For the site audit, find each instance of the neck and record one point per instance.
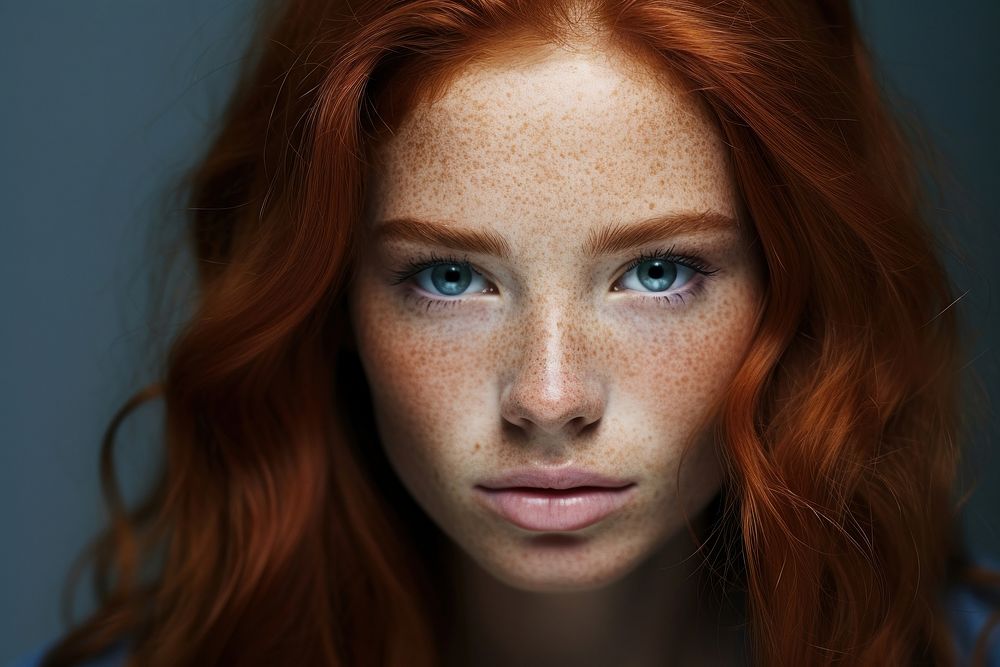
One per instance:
(652, 616)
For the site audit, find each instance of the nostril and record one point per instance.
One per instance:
(515, 428)
(587, 427)
(569, 408)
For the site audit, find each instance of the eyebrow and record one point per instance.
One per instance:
(618, 236)
(614, 238)
(445, 235)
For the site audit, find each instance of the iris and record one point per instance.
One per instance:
(656, 275)
(451, 279)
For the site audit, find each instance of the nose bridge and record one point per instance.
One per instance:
(549, 352)
(553, 385)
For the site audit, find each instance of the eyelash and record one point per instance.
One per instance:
(701, 268)
(695, 263)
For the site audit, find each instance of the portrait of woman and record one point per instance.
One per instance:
(553, 332)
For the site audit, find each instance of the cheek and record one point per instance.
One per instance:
(673, 366)
(427, 385)
(671, 370)
(421, 374)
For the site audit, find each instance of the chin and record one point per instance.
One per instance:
(562, 563)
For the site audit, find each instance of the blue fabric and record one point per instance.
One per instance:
(969, 614)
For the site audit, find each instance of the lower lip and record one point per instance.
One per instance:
(551, 509)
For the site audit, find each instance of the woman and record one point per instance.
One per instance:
(602, 332)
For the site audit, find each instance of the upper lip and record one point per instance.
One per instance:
(548, 478)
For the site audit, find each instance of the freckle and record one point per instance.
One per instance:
(651, 206)
(476, 448)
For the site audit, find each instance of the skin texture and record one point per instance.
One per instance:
(552, 357)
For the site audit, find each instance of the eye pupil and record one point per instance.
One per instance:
(451, 279)
(658, 275)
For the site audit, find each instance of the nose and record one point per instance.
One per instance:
(554, 389)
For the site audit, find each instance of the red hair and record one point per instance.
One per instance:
(282, 534)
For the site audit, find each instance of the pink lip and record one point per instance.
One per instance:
(554, 500)
(557, 478)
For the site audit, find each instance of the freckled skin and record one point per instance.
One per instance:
(550, 365)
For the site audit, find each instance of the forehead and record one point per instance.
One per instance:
(562, 141)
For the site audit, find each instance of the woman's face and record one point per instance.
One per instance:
(511, 341)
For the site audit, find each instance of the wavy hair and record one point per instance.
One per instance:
(282, 537)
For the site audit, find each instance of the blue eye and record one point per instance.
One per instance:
(676, 276)
(657, 275)
(450, 279)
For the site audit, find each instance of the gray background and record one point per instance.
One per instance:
(103, 103)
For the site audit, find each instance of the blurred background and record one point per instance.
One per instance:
(105, 104)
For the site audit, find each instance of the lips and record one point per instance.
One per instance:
(554, 500)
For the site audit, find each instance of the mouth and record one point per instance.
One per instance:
(555, 509)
